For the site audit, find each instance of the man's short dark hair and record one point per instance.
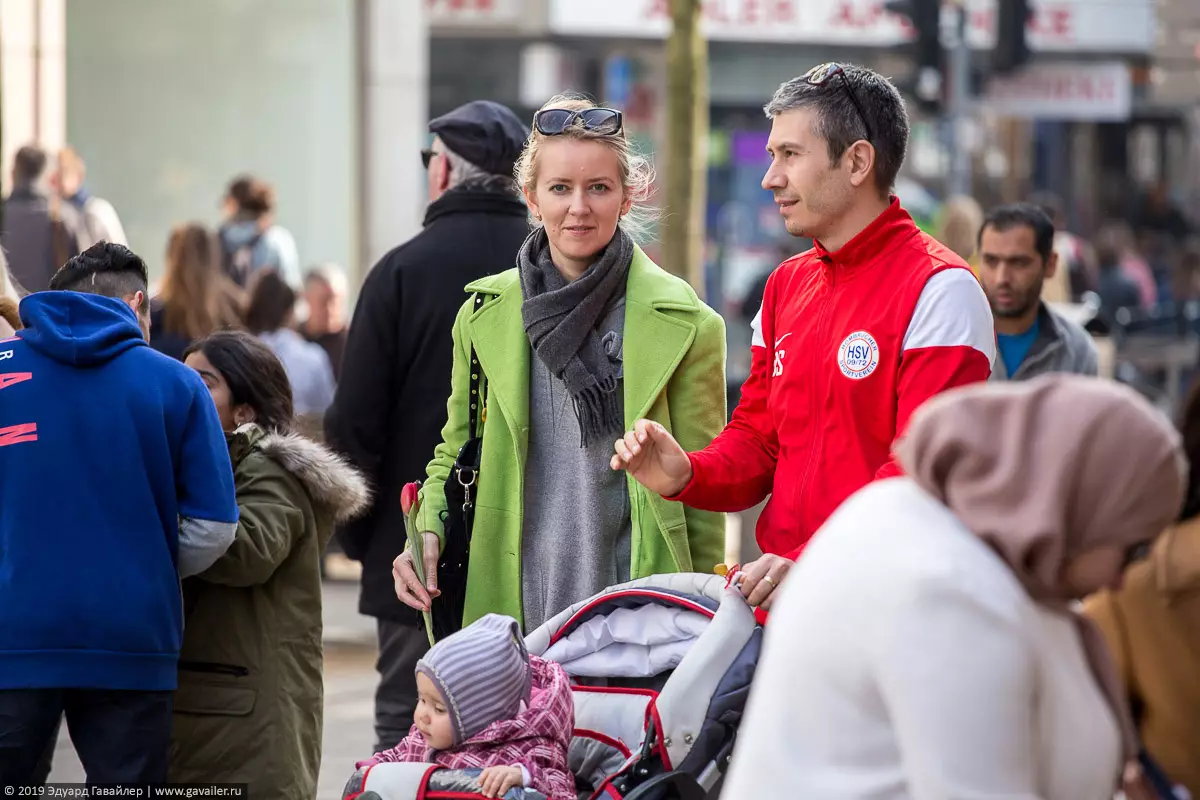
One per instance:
(1016, 215)
(29, 164)
(107, 269)
(841, 124)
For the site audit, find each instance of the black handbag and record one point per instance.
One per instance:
(459, 519)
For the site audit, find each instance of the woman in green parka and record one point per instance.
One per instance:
(584, 337)
(249, 704)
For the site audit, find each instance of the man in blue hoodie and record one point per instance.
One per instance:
(115, 482)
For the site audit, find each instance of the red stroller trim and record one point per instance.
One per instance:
(673, 599)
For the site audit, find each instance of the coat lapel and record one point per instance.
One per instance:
(503, 350)
(655, 341)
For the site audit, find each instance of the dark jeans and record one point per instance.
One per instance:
(120, 736)
(401, 646)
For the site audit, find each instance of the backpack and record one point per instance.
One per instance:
(238, 262)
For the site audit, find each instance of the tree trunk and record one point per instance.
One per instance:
(686, 147)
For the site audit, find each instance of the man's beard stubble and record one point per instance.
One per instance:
(1029, 301)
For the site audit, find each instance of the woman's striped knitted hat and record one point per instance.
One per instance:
(482, 673)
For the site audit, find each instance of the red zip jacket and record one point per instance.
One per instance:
(847, 345)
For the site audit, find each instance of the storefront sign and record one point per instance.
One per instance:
(1056, 25)
(473, 13)
(1091, 92)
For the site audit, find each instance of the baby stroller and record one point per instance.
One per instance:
(662, 669)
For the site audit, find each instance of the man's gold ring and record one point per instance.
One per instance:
(770, 580)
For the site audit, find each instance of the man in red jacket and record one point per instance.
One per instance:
(853, 334)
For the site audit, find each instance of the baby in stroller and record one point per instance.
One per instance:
(485, 703)
(660, 669)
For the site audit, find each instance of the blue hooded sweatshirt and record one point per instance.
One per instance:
(108, 450)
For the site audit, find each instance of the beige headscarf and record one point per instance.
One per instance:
(1046, 469)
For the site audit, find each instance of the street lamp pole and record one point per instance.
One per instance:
(959, 106)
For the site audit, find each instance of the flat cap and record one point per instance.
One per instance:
(487, 134)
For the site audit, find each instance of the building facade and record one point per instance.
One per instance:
(167, 100)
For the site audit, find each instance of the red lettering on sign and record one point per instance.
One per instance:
(1046, 20)
(731, 12)
(13, 378)
(18, 434)
(1055, 22)
(851, 15)
(657, 8)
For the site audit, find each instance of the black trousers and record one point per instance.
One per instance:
(120, 736)
(401, 646)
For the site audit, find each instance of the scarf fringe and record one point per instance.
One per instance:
(598, 409)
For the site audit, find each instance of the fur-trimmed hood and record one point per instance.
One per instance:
(334, 486)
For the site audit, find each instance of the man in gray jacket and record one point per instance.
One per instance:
(1016, 256)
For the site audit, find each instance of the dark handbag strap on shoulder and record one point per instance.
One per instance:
(477, 399)
(466, 466)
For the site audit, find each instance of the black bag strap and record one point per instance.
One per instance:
(477, 399)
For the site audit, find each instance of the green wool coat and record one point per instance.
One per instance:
(674, 363)
(248, 707)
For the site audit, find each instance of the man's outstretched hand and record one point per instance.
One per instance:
(652, 456)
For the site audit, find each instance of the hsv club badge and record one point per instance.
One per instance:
(858, 355)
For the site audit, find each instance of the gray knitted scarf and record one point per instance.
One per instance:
(561, 320)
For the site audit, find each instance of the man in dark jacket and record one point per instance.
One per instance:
(390, 407)
(40, 231)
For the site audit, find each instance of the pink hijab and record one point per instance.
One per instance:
(1047, 469)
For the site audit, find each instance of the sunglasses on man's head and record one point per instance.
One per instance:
(427, 156)
(554, 121)
(823, 73)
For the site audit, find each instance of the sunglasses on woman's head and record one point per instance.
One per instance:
(823, 73)
(554, 121)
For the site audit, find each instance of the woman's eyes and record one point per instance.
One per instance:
(559, 188)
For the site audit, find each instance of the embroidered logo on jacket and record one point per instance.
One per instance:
(858, 355)
(779, 354)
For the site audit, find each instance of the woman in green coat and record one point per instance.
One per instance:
(248, 707)
(583, 338)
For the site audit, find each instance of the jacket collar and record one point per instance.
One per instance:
(244, 439)
(1049, 338)
(883, 235)
(477, 201)
(655, 340)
